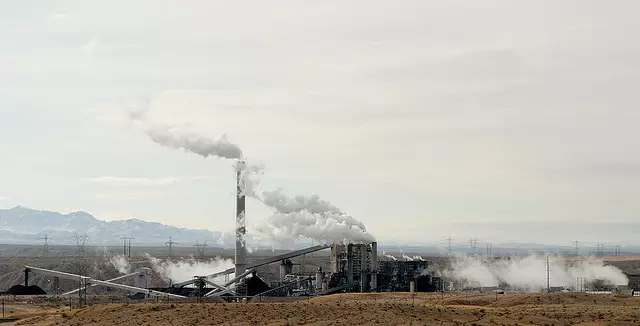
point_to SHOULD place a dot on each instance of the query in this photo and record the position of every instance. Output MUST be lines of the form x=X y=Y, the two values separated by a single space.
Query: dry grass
x=366 y=309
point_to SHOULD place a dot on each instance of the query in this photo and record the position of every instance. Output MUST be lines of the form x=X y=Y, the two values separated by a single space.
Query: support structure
x=273 y=259
x=349 y=266
x=86 y=282
x=364 y=271
x=374 y=266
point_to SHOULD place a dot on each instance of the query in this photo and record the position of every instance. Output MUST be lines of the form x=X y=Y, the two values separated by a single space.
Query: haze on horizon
x=502 y=120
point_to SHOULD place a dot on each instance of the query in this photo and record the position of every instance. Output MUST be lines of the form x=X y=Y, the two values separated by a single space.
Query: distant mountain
x=21 y=225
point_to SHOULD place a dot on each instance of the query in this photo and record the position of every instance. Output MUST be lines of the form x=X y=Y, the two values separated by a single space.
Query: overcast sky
x=502 y=120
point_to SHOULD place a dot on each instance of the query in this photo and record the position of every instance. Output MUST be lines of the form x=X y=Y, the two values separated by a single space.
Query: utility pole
x=170 y=243
x=576 y=245
x=616 y=250
x=126 y=245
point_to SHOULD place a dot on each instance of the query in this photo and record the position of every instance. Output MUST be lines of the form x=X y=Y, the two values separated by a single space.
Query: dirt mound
x=25 y=290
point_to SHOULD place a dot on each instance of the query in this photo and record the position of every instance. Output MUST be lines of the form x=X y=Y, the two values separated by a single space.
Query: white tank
x=143 y=279
x=319 y=278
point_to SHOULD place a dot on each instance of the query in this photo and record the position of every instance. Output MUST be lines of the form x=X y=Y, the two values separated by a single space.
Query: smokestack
x=241 y=230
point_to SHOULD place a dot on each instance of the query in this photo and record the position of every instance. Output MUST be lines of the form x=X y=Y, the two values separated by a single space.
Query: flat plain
x=354 y=309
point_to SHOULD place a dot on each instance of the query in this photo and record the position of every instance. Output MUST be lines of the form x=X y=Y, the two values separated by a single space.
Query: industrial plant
x=354 y=267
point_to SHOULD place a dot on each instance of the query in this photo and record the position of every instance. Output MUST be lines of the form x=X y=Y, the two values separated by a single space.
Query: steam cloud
x=311 y=217
x=179 y=271
x=389 y=256
x=529 y=272
x=294 y=217
x=178 y=137
x=121 y=264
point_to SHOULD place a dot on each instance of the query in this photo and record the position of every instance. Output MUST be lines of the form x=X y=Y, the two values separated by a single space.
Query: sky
x=501 y=120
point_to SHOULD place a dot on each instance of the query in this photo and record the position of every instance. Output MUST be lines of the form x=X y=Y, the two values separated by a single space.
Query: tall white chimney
x=241 y=230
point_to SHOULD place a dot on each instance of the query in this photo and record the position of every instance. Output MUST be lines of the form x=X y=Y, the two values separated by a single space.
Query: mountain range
x=21 y=225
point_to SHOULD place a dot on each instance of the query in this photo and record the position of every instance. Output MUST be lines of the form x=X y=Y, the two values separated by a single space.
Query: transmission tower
x=473 y=243
x=489 y=248
x=46 y=243
x=600 y=249
x=449 y=244
x=170 y=243
x=201 y=248
x=81 y=240
x=577 y=246
x=82 y=266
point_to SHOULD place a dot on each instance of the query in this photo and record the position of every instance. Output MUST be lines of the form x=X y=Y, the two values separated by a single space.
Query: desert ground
x=354 y=309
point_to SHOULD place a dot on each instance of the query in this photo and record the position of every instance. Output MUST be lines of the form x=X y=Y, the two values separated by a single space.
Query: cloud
x=136 y=195
x=59 y=15
x=142 y=182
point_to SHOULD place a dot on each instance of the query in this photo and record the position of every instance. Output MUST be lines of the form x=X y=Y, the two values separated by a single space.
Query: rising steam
x=529 y=272
x=178 y=271
x=121 y=264
x=310 y=217
x=389 y=256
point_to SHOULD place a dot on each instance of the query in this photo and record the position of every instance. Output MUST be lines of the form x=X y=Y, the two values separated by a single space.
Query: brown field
x=357 y=309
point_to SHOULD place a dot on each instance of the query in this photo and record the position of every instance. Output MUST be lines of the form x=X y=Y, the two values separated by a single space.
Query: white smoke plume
x=407 y=258
x=250 y=175
x=121 y=264
x=300 y=216
x=310 y=217
x=529 y=272
x=418 y=258
x=179 y=137
x=389 y=256
x=186 y=269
